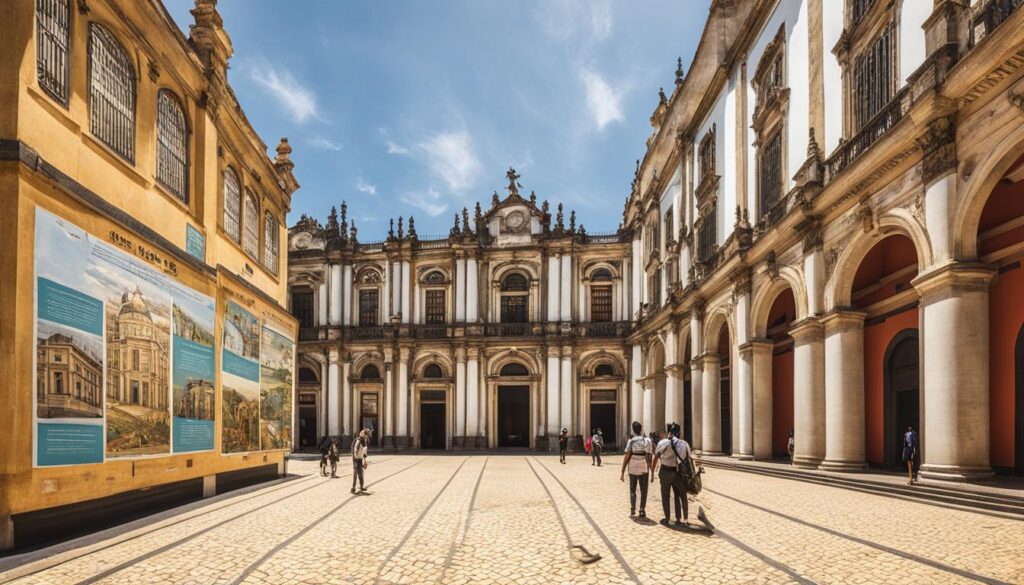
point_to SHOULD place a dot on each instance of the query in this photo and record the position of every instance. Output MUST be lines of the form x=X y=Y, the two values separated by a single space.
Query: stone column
x=745 y=400
x=402 y=427
x=554 y=296
x=385 y=299
x=696 y=402
x=346 y=301
x=674 y=395
x=637 y=293
x=761 y=382
x=554 y=381
x=321 y=419
x=636 y=390
x=460 y=290
x=333 y=395
x=565 y=289
x=335 y=305
x=472 y=291
x=472 y=391
x=568 y=388
x=346 y=397
x=460 y=393
x=955 y=371
x=389 y=403
x=711 y=406
x=647 y=421
x=808 y=393
x=406 y=307
x=844 y=391
x=322 y=296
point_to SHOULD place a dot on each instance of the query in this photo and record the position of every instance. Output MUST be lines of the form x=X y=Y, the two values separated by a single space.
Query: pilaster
x=761 y=382
x=808 y=393
x=711 y=404
x=844 y=390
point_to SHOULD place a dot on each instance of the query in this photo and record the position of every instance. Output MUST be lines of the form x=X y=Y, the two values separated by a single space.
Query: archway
x=780 y=318
x=882 y=288
x=902 y=393
x=1019 y=422
x=308 y=401
x=514 y=406
x=433 y=409
x=1000 y=241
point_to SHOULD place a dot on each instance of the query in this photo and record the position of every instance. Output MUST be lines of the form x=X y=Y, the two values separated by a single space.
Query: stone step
x=948 y=496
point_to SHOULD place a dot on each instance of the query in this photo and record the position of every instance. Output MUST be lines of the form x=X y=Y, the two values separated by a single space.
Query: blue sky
x=419 y=107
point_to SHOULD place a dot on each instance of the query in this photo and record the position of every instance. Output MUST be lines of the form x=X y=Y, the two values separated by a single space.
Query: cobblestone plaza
x=510 y=518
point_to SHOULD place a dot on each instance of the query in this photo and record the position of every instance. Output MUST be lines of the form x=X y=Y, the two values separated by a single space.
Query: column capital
x=756 y=344
x=843 y=318
x=472 y=353
x=460 y=354
x=674 y=369
x=332 y=356
x=403 y=354
x=696 y=364
x=954 y=277
x=806 y=330
x=708 y=358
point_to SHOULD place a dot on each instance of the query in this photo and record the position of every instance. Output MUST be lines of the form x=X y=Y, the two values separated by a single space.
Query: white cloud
x=396 y=149
x=429 y=202
x=600 y=20
x=565 y=20
x=325 y=143
x=451 y=158
x=365 y=187
x=298 y=100
x=603 y=101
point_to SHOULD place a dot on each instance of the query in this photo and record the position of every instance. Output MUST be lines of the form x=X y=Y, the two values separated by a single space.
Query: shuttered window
x=251 y=226
x=232 y=205
x=874 y=77
x=601 y=304
x=270 y=241
x=171 y=145
x=53 y=45
x=111 y=92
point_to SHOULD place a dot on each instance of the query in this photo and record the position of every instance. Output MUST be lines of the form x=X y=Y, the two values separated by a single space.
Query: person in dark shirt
x=910 y=453
x=563 y=444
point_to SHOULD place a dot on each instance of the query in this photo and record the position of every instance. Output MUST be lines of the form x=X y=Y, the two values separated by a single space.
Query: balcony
x=371 y=333
x=988 y=15
x=509 y=329
x=851 y=150
x=606 y=329
x=311 y=333
x=431 y=332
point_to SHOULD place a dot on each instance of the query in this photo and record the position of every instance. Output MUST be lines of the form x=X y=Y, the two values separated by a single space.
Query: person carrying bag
x=673 y=474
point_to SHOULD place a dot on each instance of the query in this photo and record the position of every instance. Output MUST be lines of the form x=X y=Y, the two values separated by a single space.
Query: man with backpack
x=638 y=461
x=673 y=455
x=596 y=442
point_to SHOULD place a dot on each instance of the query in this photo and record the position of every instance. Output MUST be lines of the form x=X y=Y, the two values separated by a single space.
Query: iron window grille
x=770 y=173
x=513 y=309
x=171 y=145
x=860 y=8
x=232 y=205
x=53 y=45
x=874 y=77
x=435 y=302
x=271 y=231
x=707 y=155
x=111 y=93
x=601 y=304
x=368 y=307
x=251 y=226
x=303 y=308
x=707 y=235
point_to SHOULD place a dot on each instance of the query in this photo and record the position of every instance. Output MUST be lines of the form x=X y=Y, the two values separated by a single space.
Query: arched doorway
x=309 y=390
x=780 y=318
x=902 y=393
x=514 y=407
x=368 y=389
x=882 y=288
x=1019 y=408
x=724 y=350
x=433 y=410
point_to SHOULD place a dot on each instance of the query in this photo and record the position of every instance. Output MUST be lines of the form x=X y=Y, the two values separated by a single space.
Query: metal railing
x=509 y=329
x=987 y=16
x=371 y=247
x=605 y=329
x=603 y=238
x=872 y=132
x=431 y=332
x=366 y=333
x=309 y=333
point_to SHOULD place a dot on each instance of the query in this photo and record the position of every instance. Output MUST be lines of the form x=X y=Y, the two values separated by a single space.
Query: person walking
x=673 y=456
x=910 y=452
x=790 y=446
x=563 y=444
x=596 y=442
x=333 y=454
x=359 y=459
x=638 y=461
x=325 y=446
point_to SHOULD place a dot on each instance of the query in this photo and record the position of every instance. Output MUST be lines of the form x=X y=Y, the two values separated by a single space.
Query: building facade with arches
x=827 y=235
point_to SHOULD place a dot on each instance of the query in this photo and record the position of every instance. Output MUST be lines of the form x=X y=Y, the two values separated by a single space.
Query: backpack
x=587 y=446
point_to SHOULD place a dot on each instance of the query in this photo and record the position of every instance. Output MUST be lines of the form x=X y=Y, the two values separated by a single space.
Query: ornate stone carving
x=772 y=265
x=831 y=257
x=810 y=232
x=939 y=145
x=866 y=216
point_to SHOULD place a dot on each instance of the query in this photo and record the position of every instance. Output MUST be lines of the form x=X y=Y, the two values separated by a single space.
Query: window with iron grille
x=251 y=226
x=515 y=282
x=232 y=205
x=874 y=77
x=303 y=308
x=513 y=309
x=769 y=169
x=435 y=307
x=111 y=93
x=707 y=154
x=860 y=8
x=271 y=229
x=654 y=287
x=668 y=224
x=171 y=145
x=53 y=45
x=600 y=304
x=368 y=307
x=707 y=236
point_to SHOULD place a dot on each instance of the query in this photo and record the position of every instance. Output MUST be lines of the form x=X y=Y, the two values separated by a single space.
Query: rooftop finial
x=513 y=178
x=391 y=228
x=283 y=161
x=679 y=71
x=401 y=231
x=412 y=227
x=495 y=200
x=455 y=226
x=661 y=96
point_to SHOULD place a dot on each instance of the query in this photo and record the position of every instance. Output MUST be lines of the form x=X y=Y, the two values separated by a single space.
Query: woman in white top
x=638 y=461
x=673 y=454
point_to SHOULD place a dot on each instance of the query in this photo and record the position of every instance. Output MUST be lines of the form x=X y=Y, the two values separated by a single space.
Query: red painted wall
x=877 y=337
x=1006 y=316
x=782 y=400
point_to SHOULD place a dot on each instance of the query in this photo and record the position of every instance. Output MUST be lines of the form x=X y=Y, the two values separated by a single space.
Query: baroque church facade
x=823 y=238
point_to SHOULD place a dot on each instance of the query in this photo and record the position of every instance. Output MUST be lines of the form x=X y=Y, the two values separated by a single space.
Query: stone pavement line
x=456 y=541
x=419 y=519
x=615 y=551
x=906 y=555
x=135 y=560
x=249 y=570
